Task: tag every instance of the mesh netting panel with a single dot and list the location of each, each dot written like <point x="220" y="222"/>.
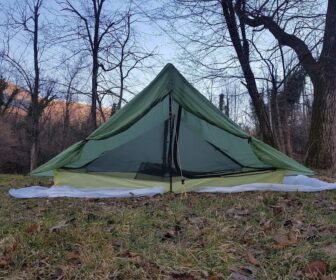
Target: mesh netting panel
<point x="196" y="155"/>
<point x="146" y="152"/>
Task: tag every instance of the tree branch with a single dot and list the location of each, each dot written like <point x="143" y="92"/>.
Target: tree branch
<point x="304" y="54"/>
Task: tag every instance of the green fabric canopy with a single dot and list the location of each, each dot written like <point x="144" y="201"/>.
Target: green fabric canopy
<point x="170" y="120"/>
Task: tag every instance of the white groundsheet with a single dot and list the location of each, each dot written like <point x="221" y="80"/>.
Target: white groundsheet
<point x="298" y="183"/>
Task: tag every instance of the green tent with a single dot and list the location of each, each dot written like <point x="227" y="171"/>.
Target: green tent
<point x="169" y="135"/>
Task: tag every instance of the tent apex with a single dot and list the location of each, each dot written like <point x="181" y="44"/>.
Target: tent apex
<point x="170" y="66"/>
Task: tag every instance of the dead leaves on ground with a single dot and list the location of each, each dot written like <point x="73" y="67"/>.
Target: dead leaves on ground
<point x="61" y="224"/>
<point x="284" y="238"/>
<point x="243" y="273"/>
<point x="4" y="263"/>
<point x="251" y="259"/>
<point x="329" y="250"/>
<point x="33" y="228"/>
<point x="326" y="205"/>
<point x="73" y="257"/>
<point x="202" y="275"/>
<point x="316" y="269"/>
<point x="238" y="212"/>
<point x="172" y="233"/>
<point x="251" y="233"/>
<point x="8" y="246"/>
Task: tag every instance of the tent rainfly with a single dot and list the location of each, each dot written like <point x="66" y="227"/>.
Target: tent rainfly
<point x="169" y="135"/>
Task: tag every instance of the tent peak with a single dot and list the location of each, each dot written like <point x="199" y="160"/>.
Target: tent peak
<point x="169" y="67"/>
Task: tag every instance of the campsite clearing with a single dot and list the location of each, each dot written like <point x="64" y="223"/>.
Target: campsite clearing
<point x="184" y="236"/>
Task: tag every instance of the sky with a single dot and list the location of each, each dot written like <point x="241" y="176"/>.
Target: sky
<point x="152" y="34"/>
<point x="149" y="35"/>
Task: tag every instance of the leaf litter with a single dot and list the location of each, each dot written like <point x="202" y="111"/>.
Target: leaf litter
<point x="198" y="236"/>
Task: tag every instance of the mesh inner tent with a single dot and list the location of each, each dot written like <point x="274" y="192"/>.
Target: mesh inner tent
<point x="145" y="152"/>
<point x="193" y="155"/>
<point x="148" y="154"/>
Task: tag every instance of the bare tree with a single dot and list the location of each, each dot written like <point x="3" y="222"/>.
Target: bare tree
<point x="275" y="16"/>
<point x="124" y="56"/>
<point x="237" y="30"/>
<point x="7" y="96"/>
<point x="278" y="72"/>
<point x="219" y="27"/>
<point x="94" y="26"/>
<point x="71" y="77"/>
<point x="26" y="20"/>
<point x="306" y="28"/>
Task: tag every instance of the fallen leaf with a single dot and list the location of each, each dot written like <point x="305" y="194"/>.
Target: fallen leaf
<point x="276" y="210"/>
<point x="58" y="274"/>
<point x="117" y="243"/>
<point x="240" y="276"/>
<point x="237" y="212"/>
<point x="33" y="228"/>
<point x="288" y="224"/>
<point x="326" y="277"/>
<point x="294" y="225"/>
<point x="130" y="255"/>
<point x="7" y="246"/>
<point x="252" y="260"/>
<point x="242" y="273"/>
<point x="200" y="223"/>
<point x="73" y="256"/>
<point x="330" y="250"/>
<point x="183" y="276"/>
<point x="169" y="234"/>
<point x="327" y="229"/>
<point x="215" y="277"/>
<point x="315" y="231"/>
<point x="267" y="225"/>
<point x="3" y="263"/>
<point x="316" y="268"/>
<point x="284" y="239"/>
<point x="60" y="225"/>
<point x="197" y="221"/>
<point x="325" y="204"/>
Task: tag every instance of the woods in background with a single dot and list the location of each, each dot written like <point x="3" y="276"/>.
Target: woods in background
<point x="276" y="57"/>
<point x="268" y="41"/>
<point x="97" y="42"/>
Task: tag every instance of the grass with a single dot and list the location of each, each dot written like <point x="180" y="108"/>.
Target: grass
<point x="187" y="236"/>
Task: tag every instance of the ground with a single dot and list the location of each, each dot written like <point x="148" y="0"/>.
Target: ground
<point x="187" y="236"/>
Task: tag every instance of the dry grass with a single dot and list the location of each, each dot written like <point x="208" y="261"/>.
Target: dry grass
<point x="193" y="236"/>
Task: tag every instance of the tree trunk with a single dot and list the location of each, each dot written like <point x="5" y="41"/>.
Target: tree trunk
<point x="66" y="121"/>
<point x="286" y="131"/>
<point x="259" y="106"/>
<point x="121" y="90"/>
<point x="241" y="45"/>
<point x="275" y="118"/>
<point x="35" y="110"/>
<point x="33" y="156"/>
<point x="101" y="110"/>
<point x="283" y="123"/>
<point x="322" y="136"/>
<point x="94" y="93"/>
